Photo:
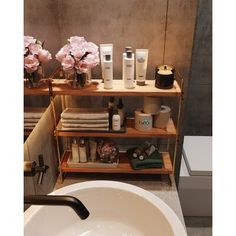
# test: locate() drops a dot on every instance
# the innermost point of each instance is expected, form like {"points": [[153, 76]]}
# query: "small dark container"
{"points": [[164, 76]]}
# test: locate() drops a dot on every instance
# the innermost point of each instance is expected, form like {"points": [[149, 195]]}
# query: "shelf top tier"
{"points": [[96, 89], [60, 87]]}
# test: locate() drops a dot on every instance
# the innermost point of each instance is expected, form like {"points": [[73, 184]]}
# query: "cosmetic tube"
{"points": [[141, 66], [108, 72], [105, 49]]}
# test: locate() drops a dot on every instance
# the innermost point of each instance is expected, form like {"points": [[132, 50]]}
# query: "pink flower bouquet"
{"points": [[34, 57], [78, 56]]}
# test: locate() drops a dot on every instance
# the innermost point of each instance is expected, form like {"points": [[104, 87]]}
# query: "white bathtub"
{"points": [[195, 181], [115, 209]]}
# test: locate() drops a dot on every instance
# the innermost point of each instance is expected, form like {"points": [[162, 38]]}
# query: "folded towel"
{"points": [[33, 112], [153, 161], [32, 115], [31, 120], [79, 121], [85, 125], [29, 124], [29, 128], [85, 113], [85, 129]]}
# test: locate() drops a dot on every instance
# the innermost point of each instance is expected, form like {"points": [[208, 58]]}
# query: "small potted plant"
{"points": [[77, 58], [34, 57]]}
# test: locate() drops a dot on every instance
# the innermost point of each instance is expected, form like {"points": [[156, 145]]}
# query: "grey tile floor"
{"points": [[198, 226]]}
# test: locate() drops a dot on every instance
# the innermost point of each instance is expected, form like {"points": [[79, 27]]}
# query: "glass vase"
{"points": [[34, 79], [81, 80]]}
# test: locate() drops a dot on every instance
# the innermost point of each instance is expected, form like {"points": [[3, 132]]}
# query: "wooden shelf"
{"points": [[131, 132], [96, 89], [43, 90], [123, 166]]}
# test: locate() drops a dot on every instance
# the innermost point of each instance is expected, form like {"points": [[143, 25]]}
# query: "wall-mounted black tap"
{"points": [[31, 168], [59, 200]]}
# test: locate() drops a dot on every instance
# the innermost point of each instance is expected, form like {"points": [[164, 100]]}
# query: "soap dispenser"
{"points": [[128, 70], [116, 121]]}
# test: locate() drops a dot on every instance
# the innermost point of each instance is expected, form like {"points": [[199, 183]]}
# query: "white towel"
{"points": [[34, 112], [85, 125], [79, 121], [85, 113], [85, 129], [29, 124], [28, 120]]}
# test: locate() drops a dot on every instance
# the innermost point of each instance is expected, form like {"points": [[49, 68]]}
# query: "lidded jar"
{"points": [[164, 76]]}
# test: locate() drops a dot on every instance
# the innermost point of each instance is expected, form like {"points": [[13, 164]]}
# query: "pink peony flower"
{"points": [[92, 60], [76, 40], [28, 40], [68, 63], [44, 55], [82, 66], [64, 51], [34, 48], [78, 51], [87, 63], [91, 47], [31, 63]]}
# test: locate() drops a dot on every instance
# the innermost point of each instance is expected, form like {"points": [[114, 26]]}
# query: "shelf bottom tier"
{"points": [[122, 167]]}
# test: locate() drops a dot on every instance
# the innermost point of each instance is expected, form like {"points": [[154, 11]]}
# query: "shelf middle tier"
{"points": [[131, 132]]}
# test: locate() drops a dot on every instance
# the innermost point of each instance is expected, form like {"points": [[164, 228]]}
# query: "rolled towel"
{"points": [[80, 121], [153, 161], [105, 125], [85, 113]]}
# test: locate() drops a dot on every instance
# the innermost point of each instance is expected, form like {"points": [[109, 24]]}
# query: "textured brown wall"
{"points": [[138, 23]]}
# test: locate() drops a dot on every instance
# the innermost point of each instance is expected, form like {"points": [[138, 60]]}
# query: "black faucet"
{"points": [[31, 168], [59, 200]]}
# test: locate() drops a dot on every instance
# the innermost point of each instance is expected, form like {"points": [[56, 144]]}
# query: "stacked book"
{"points": [[32, 116], [87, 119]]}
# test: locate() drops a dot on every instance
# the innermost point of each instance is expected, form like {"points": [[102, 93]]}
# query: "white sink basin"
{"points": [[115, 209]]}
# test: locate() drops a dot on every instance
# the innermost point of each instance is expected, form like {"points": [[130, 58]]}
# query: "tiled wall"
{"points": [[198, 113]]}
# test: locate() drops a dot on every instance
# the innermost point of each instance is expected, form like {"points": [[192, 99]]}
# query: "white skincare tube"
{"points": [[141, 66], [108, 72], [105, 49]]}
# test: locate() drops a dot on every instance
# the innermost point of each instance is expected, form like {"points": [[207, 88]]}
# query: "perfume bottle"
{"points": [[121, 112], [82, 150], [75, 151]]}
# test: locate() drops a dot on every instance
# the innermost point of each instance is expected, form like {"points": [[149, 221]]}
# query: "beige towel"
{"points": [[29, 124], [85, 129], [31, 120], [85, 125], [85, 113], [34, 112], [79, 121]]}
